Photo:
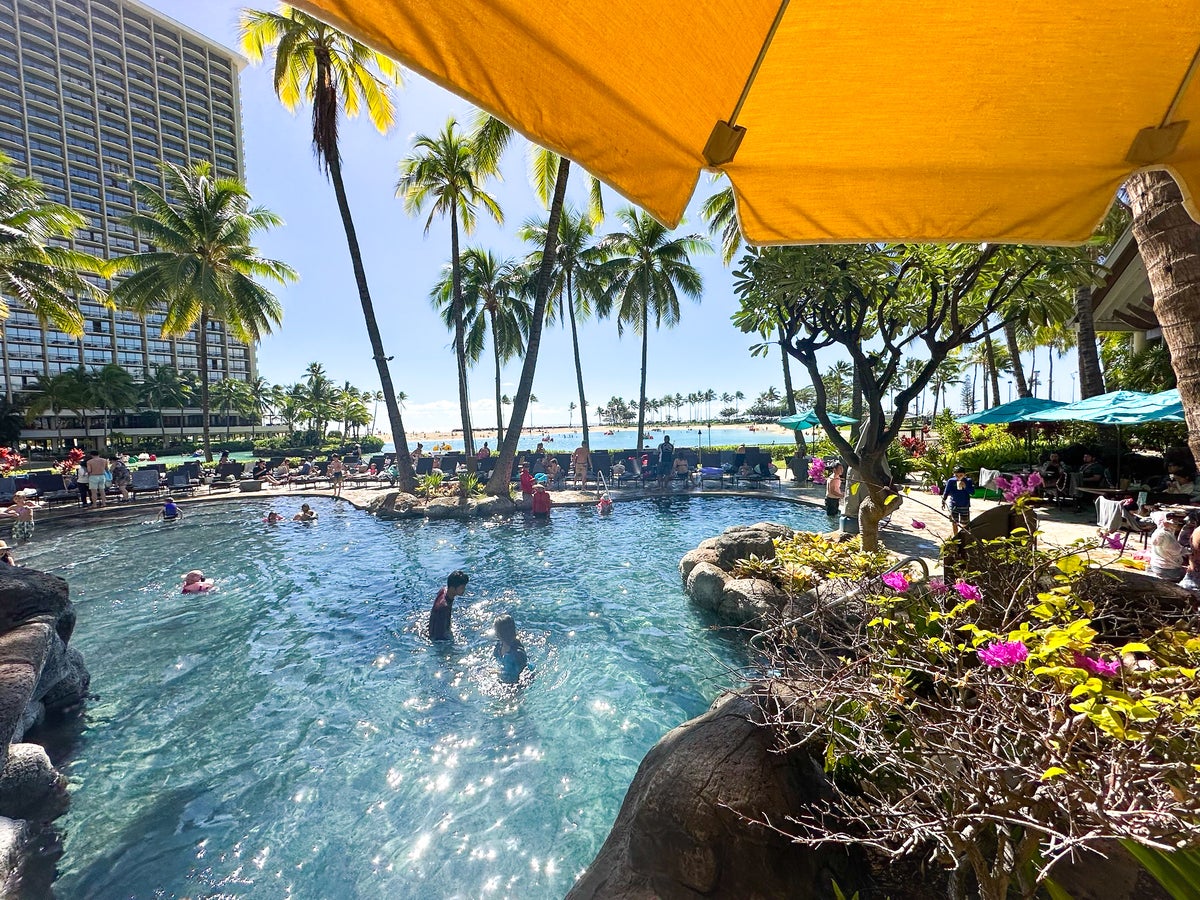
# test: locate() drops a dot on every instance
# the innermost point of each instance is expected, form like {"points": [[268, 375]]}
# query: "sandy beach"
{"points": [[770, 432]]}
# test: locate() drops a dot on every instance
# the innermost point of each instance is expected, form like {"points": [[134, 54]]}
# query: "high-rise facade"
{"points": [[95, 94]]}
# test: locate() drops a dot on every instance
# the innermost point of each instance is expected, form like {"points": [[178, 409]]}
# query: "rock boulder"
{"points": [[706, 585], [749, 599], [682, 831]]}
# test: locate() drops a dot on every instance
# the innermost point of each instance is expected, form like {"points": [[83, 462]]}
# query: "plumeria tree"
{"points": [[917, 300]]}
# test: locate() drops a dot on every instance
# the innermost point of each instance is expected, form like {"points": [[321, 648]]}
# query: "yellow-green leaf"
{"points": [[1052, 772], [1135, 647]]}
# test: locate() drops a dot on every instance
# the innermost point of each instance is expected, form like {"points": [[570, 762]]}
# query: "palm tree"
{"points": [[50, 393], [34, 266], [79, 396], [492, 303], [230, 396], [318, 64], [164, 388], [375, 398], [645, 273], [256, 402], [574, 282], [204, 268], [571, 415], [189, 390], [113, 389], [838, 382], [446, 173]]}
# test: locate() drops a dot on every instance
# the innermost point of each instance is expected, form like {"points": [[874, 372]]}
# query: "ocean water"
{"points": [[626, 438], [292, 734]]}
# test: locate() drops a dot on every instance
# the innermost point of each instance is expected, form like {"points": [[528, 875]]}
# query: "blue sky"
{"points": [[322, 318]]}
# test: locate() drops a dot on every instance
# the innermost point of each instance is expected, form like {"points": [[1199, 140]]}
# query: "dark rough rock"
{"points": [[750, 599], [680, 834], [72, 686], [14, 839], [693, 557], [706, 585], [28, 594], [30, 787], [447, 508], [741, 541], [397, 505], [22, 651], [493, 506]]}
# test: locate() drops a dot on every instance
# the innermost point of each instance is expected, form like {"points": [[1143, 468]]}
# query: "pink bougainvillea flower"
{"points": [[1114, 542], [934, 489], [917, 524], [968, 591], [999, 654], [1034, 481], [938, 586], [895, 580], [1107, 668], [1002, 483]]}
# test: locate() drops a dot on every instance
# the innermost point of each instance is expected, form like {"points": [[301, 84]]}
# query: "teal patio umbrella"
{"points": [[800, 421], [1023, 409], [1165, 406], [1090, 409]]}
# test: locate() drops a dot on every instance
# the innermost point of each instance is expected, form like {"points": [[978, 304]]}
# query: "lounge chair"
{"points": [[179, 482], [51, 488], [146, 481], [8, 489]]}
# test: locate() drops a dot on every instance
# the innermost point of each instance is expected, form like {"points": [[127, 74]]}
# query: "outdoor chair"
{"points": [[424, 466], [145, 481], [179, 481], [1133, 524], [51, 488], [224, 470], [601, 465], [8, 489]]}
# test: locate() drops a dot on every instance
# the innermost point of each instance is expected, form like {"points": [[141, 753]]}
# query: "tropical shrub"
{"points": [[431, 482], [371, 443], [10, 460], [998, 450], [999, 722], [66, 468]]}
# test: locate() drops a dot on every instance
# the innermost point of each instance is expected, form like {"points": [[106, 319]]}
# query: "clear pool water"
{"points": [[292, 734]]}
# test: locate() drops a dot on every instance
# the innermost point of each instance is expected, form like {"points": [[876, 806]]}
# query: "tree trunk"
{"points": [[583, 421], [856, 404], [790, 394], [645, 357], [204, 399], [460, 344], [1091, 378], [499, 413], [993, 372], [407, 480], [1169, 241], [498, 484], [1014, 351]]}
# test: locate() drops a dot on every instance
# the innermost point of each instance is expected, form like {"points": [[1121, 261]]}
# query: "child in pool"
{"points": [[273, 518], [306, 514], [194, 582], [170, 512], [509, 652]]}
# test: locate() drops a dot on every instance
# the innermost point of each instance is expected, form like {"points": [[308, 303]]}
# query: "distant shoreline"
{"points": [[770, 431]]}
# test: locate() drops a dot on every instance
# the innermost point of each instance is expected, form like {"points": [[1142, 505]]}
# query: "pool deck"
{"points": [[1059, 526]]}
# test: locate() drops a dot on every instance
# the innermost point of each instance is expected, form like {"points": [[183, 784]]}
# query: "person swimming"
{"points": [[194, 582], [170, 512], [509, 652], [273, 518]]}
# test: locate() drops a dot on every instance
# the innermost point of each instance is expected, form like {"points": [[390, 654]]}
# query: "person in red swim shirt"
{"points": [[542, 502], [526, 481], [443, 606]]}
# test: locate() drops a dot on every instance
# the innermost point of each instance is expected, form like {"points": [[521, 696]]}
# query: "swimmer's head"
{"points": [[457, 579], [506, 629], [193, 576]]}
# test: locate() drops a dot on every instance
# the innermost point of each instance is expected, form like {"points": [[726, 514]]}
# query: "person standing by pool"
{"points": [[484, 452], [337, 475], [121, 477], [526, 481], [957, 493], [833, 490], [97, 469], [509, 652], [22, 511], [443, 605], [82, 485], [581, 461], [666, 460]]}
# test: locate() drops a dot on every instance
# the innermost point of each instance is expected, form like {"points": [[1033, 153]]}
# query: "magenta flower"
{"points": [[1114, 542], [937, 586], [896, 581], [934, 489], [1002, 483], [917, 524], [1107, 668], [1000, 654], [968, 591], [1034, 481]]}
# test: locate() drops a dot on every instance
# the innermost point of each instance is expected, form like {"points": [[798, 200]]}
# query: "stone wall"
{"points": [[40, 675]]}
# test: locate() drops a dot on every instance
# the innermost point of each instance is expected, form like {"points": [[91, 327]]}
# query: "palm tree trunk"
{"points": [[578, 361], [496, 350], [789, 393], [460, 343], [407, 480], [1050, 374], [1169, 241], [993, 372], [203, 349], [1014, 351], [1091, 378], [645, 357], [498, 484]]}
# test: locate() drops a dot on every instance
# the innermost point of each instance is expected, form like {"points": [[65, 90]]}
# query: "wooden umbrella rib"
{"points": [[762, 54]]}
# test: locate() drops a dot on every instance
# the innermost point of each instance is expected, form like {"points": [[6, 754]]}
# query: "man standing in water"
{"points": [[443, 605]]}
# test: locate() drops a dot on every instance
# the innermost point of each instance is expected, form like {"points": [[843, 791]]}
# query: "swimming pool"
{"points": [[292, 734]]}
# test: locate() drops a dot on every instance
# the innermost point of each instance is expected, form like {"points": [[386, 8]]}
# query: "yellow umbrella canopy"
{"points": [[962, 121]]}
